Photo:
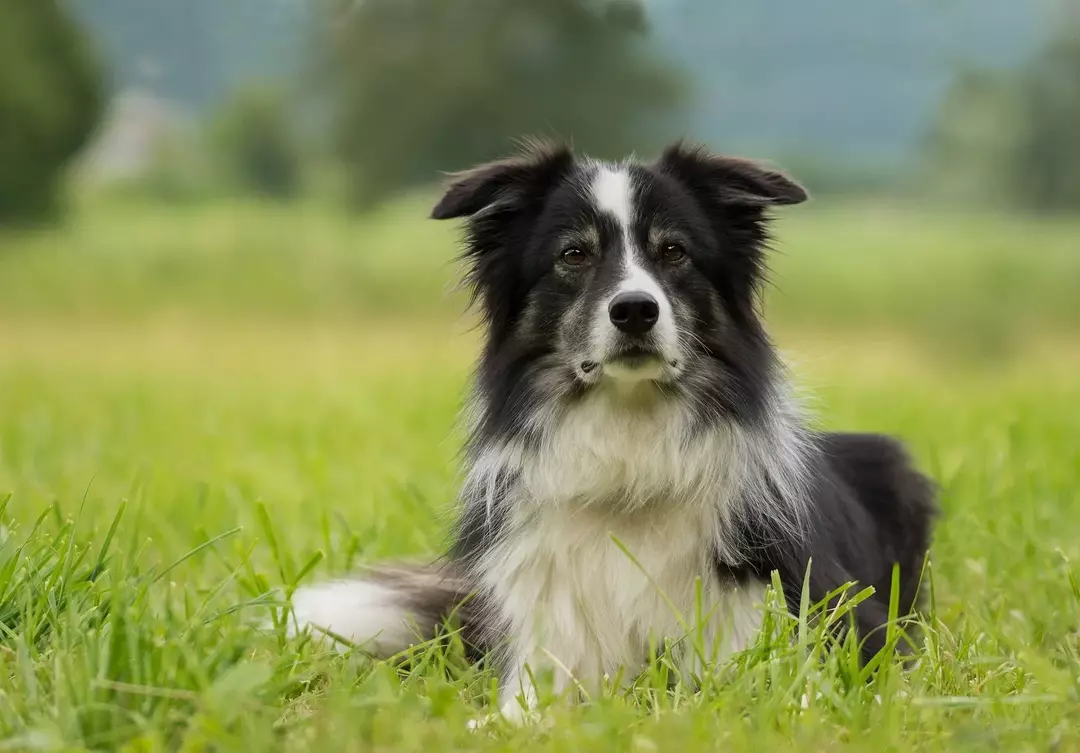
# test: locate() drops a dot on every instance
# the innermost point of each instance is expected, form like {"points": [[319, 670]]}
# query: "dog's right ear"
{"points": [[512, 180]]}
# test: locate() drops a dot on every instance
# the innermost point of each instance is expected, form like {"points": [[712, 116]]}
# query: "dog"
{"points": [[636, 454]]}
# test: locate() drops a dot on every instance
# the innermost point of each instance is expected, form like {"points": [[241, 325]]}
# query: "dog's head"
{"points": [[595, 273]]}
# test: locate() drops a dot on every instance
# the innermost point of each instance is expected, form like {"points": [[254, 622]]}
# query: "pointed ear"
{"points": [[730, 180], [514, 179]]}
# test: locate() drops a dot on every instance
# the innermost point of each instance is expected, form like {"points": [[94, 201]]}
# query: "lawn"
{"points": [[202, 407]]}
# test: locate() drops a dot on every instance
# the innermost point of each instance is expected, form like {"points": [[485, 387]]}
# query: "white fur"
{"points": [[368, 615], [777, 475], [612, 192], [623, 465], [626, 450], [582, 606]]}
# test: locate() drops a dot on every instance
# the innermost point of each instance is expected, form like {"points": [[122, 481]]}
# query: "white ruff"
{"points": [[612, 192], [624, 466]]}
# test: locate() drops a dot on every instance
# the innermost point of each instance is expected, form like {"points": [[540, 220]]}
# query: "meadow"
{"points": [[203, 406]]}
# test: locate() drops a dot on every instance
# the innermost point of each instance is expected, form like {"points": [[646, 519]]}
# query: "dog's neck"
{"points": [[624, 450]]}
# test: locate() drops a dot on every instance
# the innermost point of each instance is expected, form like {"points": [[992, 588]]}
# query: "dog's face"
{"points": [[594, 273]]}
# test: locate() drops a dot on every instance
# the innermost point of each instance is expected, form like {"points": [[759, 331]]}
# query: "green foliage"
{"points": [[178, 171], [1047, 166], [51, 97], [255, 141], [426, 86], [1012, 137]]}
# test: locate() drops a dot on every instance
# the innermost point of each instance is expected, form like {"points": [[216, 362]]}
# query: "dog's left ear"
{"points": [[510, 181], [732, 181]]}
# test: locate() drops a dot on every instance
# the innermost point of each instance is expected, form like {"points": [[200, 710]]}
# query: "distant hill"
{"points": [[858, 79]]}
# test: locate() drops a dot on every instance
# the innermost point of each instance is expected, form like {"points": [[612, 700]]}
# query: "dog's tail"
{"points": [[383, 610]]}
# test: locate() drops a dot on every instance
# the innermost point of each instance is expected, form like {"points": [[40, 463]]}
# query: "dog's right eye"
{"points": [[573, 257]]}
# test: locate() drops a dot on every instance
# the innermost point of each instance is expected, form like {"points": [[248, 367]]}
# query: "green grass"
{"points": [[976, 281], [182, 450]]}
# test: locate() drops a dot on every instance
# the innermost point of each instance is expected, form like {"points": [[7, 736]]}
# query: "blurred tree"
{"points": [[255, 140], [972, 145], [422, 86], [1014, 136], [51, 98], [1046, 169]]}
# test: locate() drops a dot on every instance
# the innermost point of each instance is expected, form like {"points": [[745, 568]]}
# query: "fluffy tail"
{"points": [[382, 610]]}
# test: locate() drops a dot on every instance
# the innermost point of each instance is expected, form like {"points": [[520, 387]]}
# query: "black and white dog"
{"points": [[636, 456]]}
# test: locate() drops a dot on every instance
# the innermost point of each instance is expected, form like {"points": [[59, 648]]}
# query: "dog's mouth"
{"points": [[634, 357], [635, 363]]}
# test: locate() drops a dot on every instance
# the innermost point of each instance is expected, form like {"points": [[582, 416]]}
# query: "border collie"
{"points": [[636, 456]]}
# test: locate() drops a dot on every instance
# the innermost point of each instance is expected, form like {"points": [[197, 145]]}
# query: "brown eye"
{"points": [[573, 257], [672, 252]]}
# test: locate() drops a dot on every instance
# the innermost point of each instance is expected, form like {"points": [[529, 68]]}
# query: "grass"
{"points": [[977, 281], [179, 451]]}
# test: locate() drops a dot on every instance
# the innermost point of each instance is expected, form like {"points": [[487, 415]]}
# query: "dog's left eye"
{"points": [[672, 252], [573, 257]]}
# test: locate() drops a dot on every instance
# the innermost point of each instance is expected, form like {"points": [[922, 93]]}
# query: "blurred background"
{"points": [[258, 159], [225, 316]]}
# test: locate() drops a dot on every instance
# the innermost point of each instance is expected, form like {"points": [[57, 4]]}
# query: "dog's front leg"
{"points": [[518, 699], [518, 695]]}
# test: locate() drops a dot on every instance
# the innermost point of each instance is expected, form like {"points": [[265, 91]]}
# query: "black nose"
{"points": [[634, 312]]}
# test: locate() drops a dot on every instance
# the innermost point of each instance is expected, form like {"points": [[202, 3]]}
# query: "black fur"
{"points": [[870, 511]]}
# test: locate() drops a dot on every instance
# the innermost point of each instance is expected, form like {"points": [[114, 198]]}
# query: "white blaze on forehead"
{"points": [[613, 193]]}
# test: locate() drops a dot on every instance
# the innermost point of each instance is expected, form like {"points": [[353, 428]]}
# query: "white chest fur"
{"points": [[614, 523], [588, 595]]}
